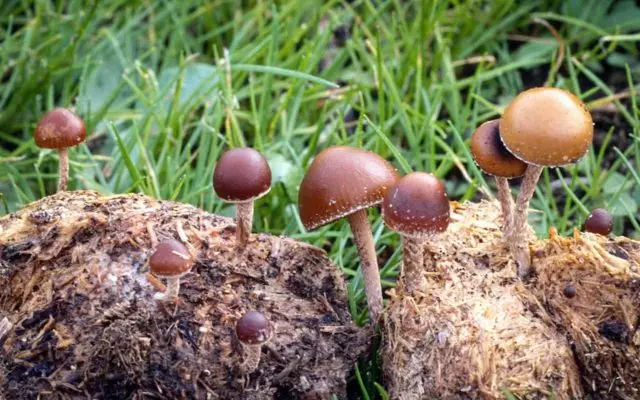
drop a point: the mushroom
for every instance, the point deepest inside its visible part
(544, 127)
(242, 176)
(253, 331)
(59, 129)
(416, 207)
(343, 182)
(493, 158)
(171, 260)
(599, 221)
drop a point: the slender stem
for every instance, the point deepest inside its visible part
(363, 238)
(252, 357)
(63, 175)
(506, 202)
(244, 221)
(516, 237)
(173, 287)
(413, 255)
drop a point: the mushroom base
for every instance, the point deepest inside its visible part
(83, 319)
(477, 330)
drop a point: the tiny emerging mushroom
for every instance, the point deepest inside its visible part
(253, 331)
(599, 221)
(417, 207)
(242, 176)
(171, 260)
(60, 129)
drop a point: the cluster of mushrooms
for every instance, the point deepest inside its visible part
(542, 127)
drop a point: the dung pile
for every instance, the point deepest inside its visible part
(79, 317)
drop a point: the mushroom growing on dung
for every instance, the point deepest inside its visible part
(171, 260)
(242, 176)
(253, 331)
(417, 207)
(494, 159)
(59, 129)
(599, 221)
(544, 127)
(344, 182)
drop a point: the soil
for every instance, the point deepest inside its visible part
(80, 315)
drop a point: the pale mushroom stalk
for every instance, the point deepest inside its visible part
(63, 178)
(252, 357)
(244, 222)
(506, 202)
(173, 287)
(413, 263)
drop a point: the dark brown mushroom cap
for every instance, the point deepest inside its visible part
(417, 206)
(60, 128)
(252, 328)
(547, 127)
(170, 259)
(241, 174)
(599, 221)
(340, 181)
(491, 155)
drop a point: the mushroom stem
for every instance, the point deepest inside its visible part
(63, 175)
(363, 238)
(173, 287)
(517, 232)
(244, 220)
(506, 202)
(252, 357)
(413, 259)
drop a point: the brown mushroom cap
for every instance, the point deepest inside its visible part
(252, 328)
(491, 155)
(547, 127)
(599, 221)
(417, 206)
(340, 181)
(241, 175)
(59, 128)
(170, 259)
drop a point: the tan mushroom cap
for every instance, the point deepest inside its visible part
(59, 128)
(547, 127)
(170, 259)
(241, 175)
(340, 181)
(417, 206)
(491, 155)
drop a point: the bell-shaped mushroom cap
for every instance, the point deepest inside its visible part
(59, 128)
(241, 175)
(547, 127)
(417, 206)
(491, 155)
(599, 221)
(171, 258)
(340, 181)
(252, 328)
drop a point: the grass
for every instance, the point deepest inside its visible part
(165, 87)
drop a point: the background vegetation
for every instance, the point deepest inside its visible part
(166, 86)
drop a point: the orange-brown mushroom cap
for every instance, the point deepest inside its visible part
(417, 206)
(340, 181)
(60, 128)
(547, 127)
(170, 259)
(491, 155)
(241, 174)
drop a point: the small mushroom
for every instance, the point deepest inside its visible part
(344, 182)
(59, 129)
(599, 221)
(416, 207)
(242, 176)
(253, 331)
(544, 127)
(171, 260)
(494, 159)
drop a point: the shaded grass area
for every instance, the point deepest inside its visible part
(165, 87)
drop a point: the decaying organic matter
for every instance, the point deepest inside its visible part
(83, 320)
(476, 330)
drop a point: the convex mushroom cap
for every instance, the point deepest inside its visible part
(340, 181)
(417, 206)
(59, 128)
(241, 174)
(252, 328)
(171, 259)
(547, 127)
(490, 154)
(599, 221)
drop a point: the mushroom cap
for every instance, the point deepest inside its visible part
(599, 221)
(241, 174)
(417, 206)
(60, 128)
(547, 127)
(491, 155)
(340, 181)
(253, 328)
(170, 259)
